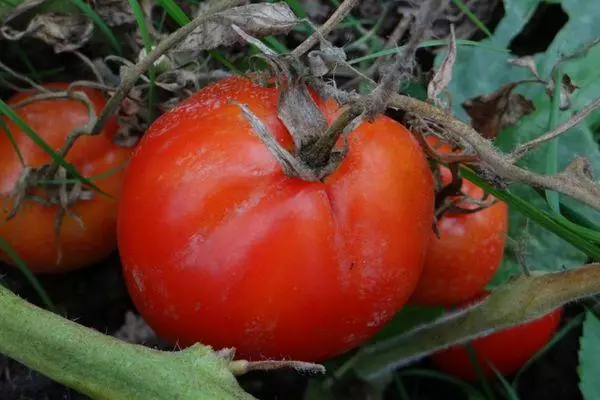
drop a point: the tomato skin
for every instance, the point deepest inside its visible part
(31, 232)
(236, 254)
(464, 258)
(507, 350)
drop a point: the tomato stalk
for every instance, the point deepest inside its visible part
(103, 367)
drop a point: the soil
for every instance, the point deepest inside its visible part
(96, 296)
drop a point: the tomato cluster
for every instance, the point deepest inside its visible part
(88, 231)
(219, 245)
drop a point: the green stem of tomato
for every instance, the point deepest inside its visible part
(103, 367)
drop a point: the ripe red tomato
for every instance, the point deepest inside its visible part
(219, 246)
(507, 350)
(464, 258)
(31, 232)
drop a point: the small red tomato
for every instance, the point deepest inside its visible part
(507, 350)
(32, 231)
(219, 246)
(464, 258)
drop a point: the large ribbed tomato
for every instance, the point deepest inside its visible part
(32, 231)
(220, 246)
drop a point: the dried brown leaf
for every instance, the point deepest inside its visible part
(260, 19)
(64, 32)
(492, 112)
(443, 75)
(115, 12)
(568, 87)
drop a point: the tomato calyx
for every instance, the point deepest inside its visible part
(57, 189)
(315, 155)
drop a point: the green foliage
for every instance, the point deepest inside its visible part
(477, 72)
(589, 358)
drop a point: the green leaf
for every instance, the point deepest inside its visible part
(589, 358)
(147, 40)
(14, 117)
(465, 9)
(478, 72)
(174, 11)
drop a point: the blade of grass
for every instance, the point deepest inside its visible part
(147, 40)
(174, 11)
(25, 60)
(474, 18)
(377, 43)
(511, 393)
(472, 393)
(297, 8)
(555, 339)
(427, 43)
(14, 117)
(33, 281)
(92, 178)
(543, 218)
(12, 141)
(552, 197)
(402, 392)
(487, 389)
(276, 44)
(87, 10)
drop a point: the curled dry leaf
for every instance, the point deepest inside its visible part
(260, 19)
(64, 32)
(492, 112)
(443, 75)
(526, 62)
(114, 12)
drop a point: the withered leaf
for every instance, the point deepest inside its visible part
(259, 19)
(64, 32)
(568, 87)
(115, 12)
(492, 112)
(527, 62)
(443, 75)
(327, 58)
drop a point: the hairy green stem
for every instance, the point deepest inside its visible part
(103, 367)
